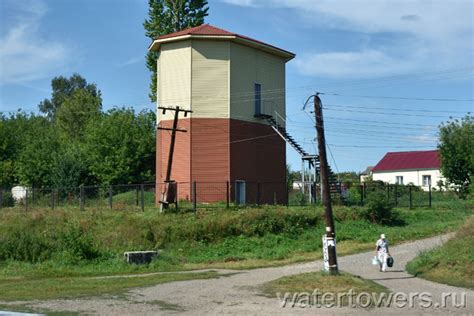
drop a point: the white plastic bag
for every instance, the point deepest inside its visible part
(375, 261)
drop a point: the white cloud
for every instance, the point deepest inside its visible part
(424, 35)
(364, 63)
(25, 54)
(132, 60)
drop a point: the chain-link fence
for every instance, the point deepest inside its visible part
(196, 195)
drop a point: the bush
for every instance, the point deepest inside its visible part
(298, 198)
(76, 244)
(379, 209)
(7, 200)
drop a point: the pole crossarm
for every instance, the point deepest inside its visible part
(170, 129)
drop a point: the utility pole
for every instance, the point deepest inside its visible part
(326, 193)
(169, 192)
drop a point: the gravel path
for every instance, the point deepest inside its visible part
(239, 293)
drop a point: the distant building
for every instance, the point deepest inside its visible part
(366, 174)
(420, 168)
(233, 84)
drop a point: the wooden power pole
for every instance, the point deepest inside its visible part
(170, 188)
(326, 193)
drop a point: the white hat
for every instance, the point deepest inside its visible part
(382, 236)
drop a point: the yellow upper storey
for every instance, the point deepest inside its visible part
(216, 78)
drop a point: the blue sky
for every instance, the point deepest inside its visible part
(357, 49)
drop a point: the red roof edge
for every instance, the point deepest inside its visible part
(210, 30)
(393, 161)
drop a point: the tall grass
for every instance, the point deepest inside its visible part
(93, 241)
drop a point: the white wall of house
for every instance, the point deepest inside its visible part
(414, 177)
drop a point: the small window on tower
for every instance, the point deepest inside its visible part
(258, 98)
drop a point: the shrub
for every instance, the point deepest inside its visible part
(7, 199)
(298, 198)
(76, 244)
(379, 209)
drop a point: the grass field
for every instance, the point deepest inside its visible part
(452, 263)
(50, 245)
(300, 284)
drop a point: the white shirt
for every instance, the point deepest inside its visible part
(382, 245)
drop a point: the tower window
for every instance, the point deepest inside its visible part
(258, 98)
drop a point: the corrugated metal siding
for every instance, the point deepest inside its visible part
(249, 66)
(263, 159)
(210, 79)
(210, 150)
(174, 77)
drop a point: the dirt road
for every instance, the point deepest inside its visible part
(239, 293)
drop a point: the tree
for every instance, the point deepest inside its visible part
(70, 167)
(120, 146)
(35, 160)
(62, 89)
(456, 147)
(168, 16)
(76, 110)
(12, 138)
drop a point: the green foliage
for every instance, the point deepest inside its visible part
(456, 146)
(75, 244)
(69, 244)
(379, 209)
(54, 150)
(12, 132)
(297, 198)
(76, 111)
(35, 161)
(70, 167)
(450, 263)
(63, 88)
(120, 146)
(168, 16)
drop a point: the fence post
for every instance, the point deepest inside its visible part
(177, 199)
(81, 197)
(396, 195)
(110, 196)
(388, 191)
(411, 201)
(227, 195)
(26, 200)
(136, 195)
(52, 199)
(194, 196)
(258, 193)
(142, 197)
(361, 194)
(1, 198)
(429, 194)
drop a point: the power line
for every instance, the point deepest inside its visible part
(393, 109)
(357, 146)
(388, 113)
(398, 98)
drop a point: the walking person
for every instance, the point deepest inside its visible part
(382, 252)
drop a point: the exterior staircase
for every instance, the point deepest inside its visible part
(312, 159)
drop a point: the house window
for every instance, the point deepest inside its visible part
(399, 179)
(258, 98)
(426, 180)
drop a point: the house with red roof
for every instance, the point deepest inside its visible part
(420, 168)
